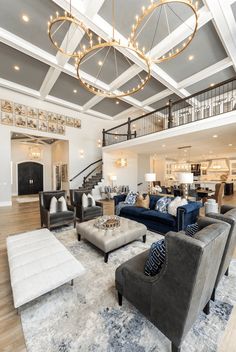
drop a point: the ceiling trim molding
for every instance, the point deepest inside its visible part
(19, 88)
(224, 22)
(163, 94)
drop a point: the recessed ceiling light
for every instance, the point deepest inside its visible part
(17, 68)
(25, 18)
(117, 102)
(230, 145)
(75, 91)
(215, 136)
(212, 84)
(191, 57)
(100, 63)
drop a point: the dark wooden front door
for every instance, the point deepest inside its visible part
(30, 178)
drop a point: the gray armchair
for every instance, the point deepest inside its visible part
(228, 214)
(56, 219)
(84, 214)
(173, 299)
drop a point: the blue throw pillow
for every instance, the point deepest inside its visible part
(131, 198)
(162, 204)
(192, 229)
(156, 258)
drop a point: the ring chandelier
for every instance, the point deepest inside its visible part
(86, 53)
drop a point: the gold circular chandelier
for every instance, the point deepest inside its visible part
(146, 15)
(57, 24)
(110, 93)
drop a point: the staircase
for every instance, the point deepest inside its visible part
(91, 182)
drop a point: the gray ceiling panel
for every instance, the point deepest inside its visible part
(163, 102)
(35, 31)
(214, 79)
(31, 72)
(151, 88)
(110, 107)
(64, 89)
(206, 48)
(234, 10)
(114, 64)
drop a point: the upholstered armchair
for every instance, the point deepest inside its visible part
(228, 214)
(56, 219)
(84, 214)
(173, 299)
(219, 192)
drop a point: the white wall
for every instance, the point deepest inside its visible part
(125, 175)
(144, 166)
(20, 153)
(79, 139)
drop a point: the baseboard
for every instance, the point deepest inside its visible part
(6, 204)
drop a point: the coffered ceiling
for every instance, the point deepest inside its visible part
(47, 74)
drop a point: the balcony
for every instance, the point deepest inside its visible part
(210, 102)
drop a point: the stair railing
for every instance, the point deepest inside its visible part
(86, 168)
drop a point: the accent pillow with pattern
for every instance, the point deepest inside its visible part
(191, 230)
(162, 204)
(156, 258)
(130, 198)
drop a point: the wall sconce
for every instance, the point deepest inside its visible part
(35, 153)
(82, 153)
(121, 162)
(99, 143)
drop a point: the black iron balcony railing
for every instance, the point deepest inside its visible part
(210, 102)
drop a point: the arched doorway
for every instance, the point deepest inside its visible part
(30, 178)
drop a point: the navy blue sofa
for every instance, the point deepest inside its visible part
(157, 221)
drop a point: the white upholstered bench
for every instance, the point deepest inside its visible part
(38, 264)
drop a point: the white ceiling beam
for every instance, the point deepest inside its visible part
(224, 22)
(165, 93)
(207, 72)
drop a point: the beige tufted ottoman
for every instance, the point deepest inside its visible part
(108, 240)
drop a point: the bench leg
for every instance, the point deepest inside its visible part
(175, 348)
(72, 283)
(144, 238)
(79, 237)
(206, 310)
(213, 295)
(119, 298)
(106, 255)
(227, 272)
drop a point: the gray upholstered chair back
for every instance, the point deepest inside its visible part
(45, 197)
(228, 215)
(185, 285)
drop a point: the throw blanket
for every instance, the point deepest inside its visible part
(120, 206)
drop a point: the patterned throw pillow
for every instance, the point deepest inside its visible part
(131, 198)
(156, 258)
(191, 230)
(162, 204)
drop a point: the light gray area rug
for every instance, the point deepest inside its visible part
(87, 318)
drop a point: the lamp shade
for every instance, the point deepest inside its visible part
(185, 177)
(150, 177)
(113, 178)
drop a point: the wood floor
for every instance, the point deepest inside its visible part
(25, 217)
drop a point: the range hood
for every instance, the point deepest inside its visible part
(218, 165)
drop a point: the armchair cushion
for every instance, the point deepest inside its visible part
(156, 258)
(61, 216)
(92, 212)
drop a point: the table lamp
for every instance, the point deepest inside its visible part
(185, 178)
(150, 177)
(113, 179)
